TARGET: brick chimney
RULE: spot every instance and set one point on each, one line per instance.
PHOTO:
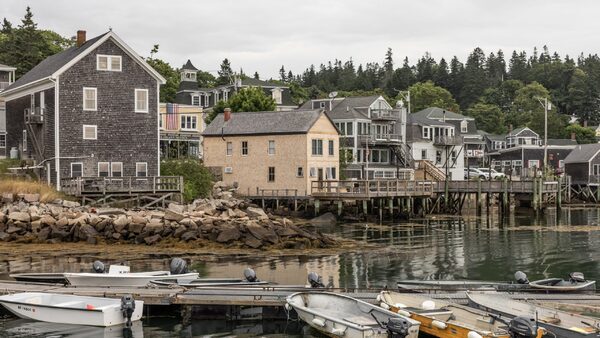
(573, 138)
(80, 38)
(227, 114)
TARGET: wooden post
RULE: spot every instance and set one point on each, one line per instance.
(478, 198)
(505, 198)
(380, 206)
(391, 206)
(535, 197)
(365, 207)
(317, 204)
(339, 207)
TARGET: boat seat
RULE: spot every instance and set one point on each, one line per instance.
(432, 312)
(551, 320)
(359, 320)
(69, 304)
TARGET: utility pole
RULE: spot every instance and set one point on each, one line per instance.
(547, 106)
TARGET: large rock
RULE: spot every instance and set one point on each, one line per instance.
(262, 233)
(120, 223)
(171, 215)
(43, 234)
(8, 197)
(136, 228)
(87, 231)
(152, 239)
(69, 204)
(179, 231)
(256, 213)
(189, 235)
(229, 234)
(178, 208)
(31, 198)
(19, 216)
(252, 242)
(4, 236)
(154, 228)
(325, 219)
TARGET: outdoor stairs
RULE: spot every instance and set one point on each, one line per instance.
(403, 155)
(430, 171)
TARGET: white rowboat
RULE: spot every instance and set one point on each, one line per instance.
(69, 309)
(119, 276)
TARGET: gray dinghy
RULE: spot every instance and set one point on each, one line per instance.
(560, 323)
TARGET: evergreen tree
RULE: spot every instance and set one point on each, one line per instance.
(519, 68)
(441, 76)
(456, 77)
(225, 73)
(474, 78)
(282, 76)
(256, 76)
(425, 68)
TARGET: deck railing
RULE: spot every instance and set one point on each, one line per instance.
(79, 186)
(370, 188)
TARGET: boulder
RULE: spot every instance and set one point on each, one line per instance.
(262, 233)
(103, 224)
(87, 231)
(252, 242)
(70, 204)
(19, 216)
(152, 239)
(43, 234)
(8, 197)
(4, 236)
(120, 223)
(110, 211)
(171, 215)
(154, 228)
(189, 235)
(136, 228)
(179, 231)
(325, 219)
(256, 213)
(31, 198)
(13, 229)
(177, 208)
(229, 234)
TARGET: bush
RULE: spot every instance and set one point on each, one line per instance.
(16, 186)
(197, 180)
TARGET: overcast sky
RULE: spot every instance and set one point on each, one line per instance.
(262, 35)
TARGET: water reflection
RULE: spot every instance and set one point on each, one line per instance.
(15, 328)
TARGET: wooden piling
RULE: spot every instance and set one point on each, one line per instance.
(340, 207)
(317, 204)
(391, 206)
(478, 198)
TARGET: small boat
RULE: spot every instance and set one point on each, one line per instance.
(40, 277)
(120, 275)
(443, 319)
(28, 328)
(576, 282)
(343, 316)
(203, 282)
(559, 323)
(69, 309)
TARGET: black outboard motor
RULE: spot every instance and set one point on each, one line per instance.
(397, 327)
(250, 275)
(521, 277)
(178, 266)
(315, 280)
(127, 308)
(522, 327)
(98, 267)
(576, 277)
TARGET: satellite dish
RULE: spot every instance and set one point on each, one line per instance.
(332, 95)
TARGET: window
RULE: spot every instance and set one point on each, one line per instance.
(103, 169)
(330, 173)
(317, 147)
(517, 163)
(331, 148)
(506, 163)
(188, 122)
(533, 163)
(229, 149)
(2, 140)
(322, 104)
(561, 163)
(426, 132)
(108, 62)
(141, 100)
(423, 154)
(596, 169)
(453, 156)
(116, 169)
(277, 95)
(90, 99)
(271, 150)
(379, 156)
(195, 100)
(244, 148)
(300, 172)
(463, 126)
(271, 174)
(24, 140)
(90, 132)
(438, 157)
(313, 172)
(141, 169)
(225, 95)
(76, 169)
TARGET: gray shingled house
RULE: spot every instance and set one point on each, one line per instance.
(7, 77)
(583, 164)
(91, 110)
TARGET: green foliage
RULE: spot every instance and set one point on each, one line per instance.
(197, 180)
(225, 73)
(488, 117)
(345, 158)
(25, 46)
(426, 94)
(206, 79)
(168, 91)
(249, 99)
(583, 135)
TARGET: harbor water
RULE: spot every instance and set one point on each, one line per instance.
(454, 247)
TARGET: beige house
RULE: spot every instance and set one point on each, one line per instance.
(273, 151)
(181, 129)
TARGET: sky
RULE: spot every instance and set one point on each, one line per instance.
(263, 35)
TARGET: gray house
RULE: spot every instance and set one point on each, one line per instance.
(583, 164)
(91, 110)
(7, 77)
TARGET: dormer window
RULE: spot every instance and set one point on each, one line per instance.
(464, 126)
(108, 63)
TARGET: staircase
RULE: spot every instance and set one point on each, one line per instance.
(403, 155)
(430, 171)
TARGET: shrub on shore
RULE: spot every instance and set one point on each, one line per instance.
(16, 187)
(197, 180)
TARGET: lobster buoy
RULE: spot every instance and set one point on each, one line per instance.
(439, 325)
(428, 305)
(404, 313)
(318, 321)
(473, 334)
(384, 305)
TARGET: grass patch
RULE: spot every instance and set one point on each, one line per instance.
(15, 187)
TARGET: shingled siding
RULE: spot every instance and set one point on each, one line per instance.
(123, 135)
(15, 123)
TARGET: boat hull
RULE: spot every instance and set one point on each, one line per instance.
(105, 315)
(560, 285)
(44, 277)
(139, 279)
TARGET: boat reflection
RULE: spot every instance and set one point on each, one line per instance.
(14, 328)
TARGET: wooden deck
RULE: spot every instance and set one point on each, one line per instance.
(129, 185)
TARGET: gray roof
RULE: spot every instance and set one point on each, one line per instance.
(439, 113)
(189, 66)
(520, 130)
(493, 137)
(188, 85)
(583, 153)
(53, 63)
(343, 107)
(561, 142)
(416, 118)
(264, 123)
(250, 81)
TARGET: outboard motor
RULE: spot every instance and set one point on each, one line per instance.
(178, 266)
(315, 280)
(397, 327)
(521, 277)
(576, 277)
(127, 308)
(98, 267)
(250, 275)
(522, 327)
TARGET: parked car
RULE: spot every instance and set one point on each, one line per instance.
(491, 174)
(475, 173)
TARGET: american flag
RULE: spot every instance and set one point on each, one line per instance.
(172, 116)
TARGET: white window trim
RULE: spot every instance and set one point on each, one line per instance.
(196, 97)
(95, 131)
(269, 148)
(184, 118)
(81, 163)
(312, 172)
(242, 148)
(111, 169)
(95, 98)
(107, 163)
(2, 136)
(136, 101)
(25, 136)
(109, 63)
(227, 149)
(145, 168)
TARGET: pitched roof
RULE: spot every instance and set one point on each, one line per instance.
(345, 108)
(561, 142)
(189, 66)
(256, 83)
(261, 123)
(583, 153)
(493, 137)
(188, 85)
(439, 113)
(422, 119)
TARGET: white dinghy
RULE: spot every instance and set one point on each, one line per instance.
(69, 309)
(343, 316)
(121, 276)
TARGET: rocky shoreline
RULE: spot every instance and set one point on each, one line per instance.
(223, 220)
